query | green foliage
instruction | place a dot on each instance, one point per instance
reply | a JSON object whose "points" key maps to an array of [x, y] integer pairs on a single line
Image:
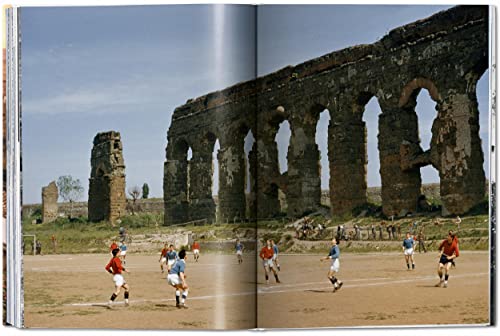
{"points": [[145, 191], [69, 189]]}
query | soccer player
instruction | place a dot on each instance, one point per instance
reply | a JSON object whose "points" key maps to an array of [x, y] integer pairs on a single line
{"points": [[123, 252], [112, 247], [455, 240], [171, 257], [163, 256], [275, 255], [448, 250], [266, 254], [239, 251], [196, 250], [408, 243], [115, 267], [177, 279], [334, 267]]}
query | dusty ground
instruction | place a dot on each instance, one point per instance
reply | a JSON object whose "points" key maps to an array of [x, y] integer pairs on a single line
{"points": [[377, 290], [69, 291]]}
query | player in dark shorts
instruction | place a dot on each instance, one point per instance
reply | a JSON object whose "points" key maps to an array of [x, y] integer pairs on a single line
{"points": [[448, 250], [239, 251]]}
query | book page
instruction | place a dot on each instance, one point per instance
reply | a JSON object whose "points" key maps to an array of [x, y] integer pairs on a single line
{"points": [[373, 194], [131, 175]]}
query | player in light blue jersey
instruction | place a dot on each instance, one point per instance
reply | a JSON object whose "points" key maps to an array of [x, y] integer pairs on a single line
{"points": [[177, 279], [239, 251], [408, 244], [275, 255], [334, 256], [171, 257]]}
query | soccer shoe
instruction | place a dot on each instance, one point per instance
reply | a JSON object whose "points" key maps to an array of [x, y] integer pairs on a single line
{"points": [[127, 304], [183, 305], [334, 289], [267, 282], [445, 285], [178, 305], [279, 268], [340, 285], [278, 281], [439, 284]]}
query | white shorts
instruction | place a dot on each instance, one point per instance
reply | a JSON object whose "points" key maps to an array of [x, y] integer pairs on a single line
{"points": [[174, 279], [118, 279], [335, 265], [196, 251], [163, 260], [239, 252], [122, 253], [268, 262], [409, 251], [170, 262]]}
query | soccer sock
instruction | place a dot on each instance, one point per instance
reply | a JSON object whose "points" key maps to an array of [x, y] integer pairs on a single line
{"points": [[413, 265], [177, 296], [408, 265], [333, 280], [267, 277], [276, 277], [113, 297], [125, 295], [184, 296], [446, 277]]}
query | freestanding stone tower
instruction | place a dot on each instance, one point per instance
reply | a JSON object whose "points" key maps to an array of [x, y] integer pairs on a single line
{"points": [[50, 194], [107, 198]]}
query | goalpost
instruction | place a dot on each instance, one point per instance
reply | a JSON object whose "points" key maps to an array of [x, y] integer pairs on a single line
{"points": [[34, 242]]}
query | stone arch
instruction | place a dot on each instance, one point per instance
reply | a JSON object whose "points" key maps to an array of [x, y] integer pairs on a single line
{"points": [[408, 91]]}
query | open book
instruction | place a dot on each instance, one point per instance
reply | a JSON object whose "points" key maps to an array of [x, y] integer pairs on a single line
{"points": [[239, 167]]}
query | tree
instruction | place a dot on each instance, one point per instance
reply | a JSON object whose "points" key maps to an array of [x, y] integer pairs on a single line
{"points": [[145, 191], [70, 190], [135, 193]]}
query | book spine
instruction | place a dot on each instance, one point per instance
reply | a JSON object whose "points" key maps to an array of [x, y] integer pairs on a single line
{"points": [[13, 148]]}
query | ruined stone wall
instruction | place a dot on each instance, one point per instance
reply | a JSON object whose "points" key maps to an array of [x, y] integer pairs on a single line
{"points": [[445, 54], [50, 209], [107, 199]]}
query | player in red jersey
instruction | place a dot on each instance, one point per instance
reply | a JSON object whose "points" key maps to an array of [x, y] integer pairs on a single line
{"points": [[266, 254], [196, 250], [448, 250], [163, 256], [113, 246], [115, 267]]}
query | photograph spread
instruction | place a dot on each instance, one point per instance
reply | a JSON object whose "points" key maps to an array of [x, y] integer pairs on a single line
{"points": [[239, 166]]}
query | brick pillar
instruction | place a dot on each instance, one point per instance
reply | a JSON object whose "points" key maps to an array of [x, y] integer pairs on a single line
{"points": [[175, 190], [201, 203], [456, 150], [232, 200], [348, 160], [400, 188], [303, 180]]}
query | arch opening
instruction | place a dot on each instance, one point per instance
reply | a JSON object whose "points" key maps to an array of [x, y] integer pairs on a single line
{"points": [[282, 140]]}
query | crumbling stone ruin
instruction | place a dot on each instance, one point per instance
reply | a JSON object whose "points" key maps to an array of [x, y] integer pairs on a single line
{"points": [[50, 209], [107, 198], [445, 54]]}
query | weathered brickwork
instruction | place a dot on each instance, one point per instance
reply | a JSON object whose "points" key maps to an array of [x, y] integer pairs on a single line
{"points": [[107, 199], [445, 54], [50, 208]]}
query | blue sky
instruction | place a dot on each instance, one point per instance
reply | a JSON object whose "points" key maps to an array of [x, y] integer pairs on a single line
{"points": [[90, 69]]}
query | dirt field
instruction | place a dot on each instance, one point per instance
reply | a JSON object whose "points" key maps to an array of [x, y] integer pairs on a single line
{"points": [[69, 291], [378, 290]]}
